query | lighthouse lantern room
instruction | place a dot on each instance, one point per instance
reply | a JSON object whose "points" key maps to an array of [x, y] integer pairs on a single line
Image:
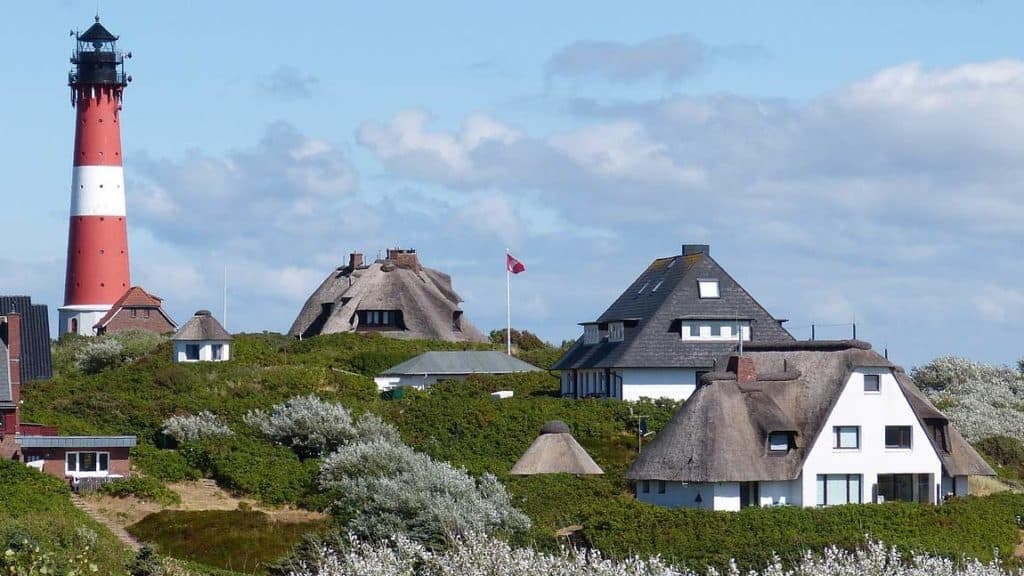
{"points": [[97, 264]]}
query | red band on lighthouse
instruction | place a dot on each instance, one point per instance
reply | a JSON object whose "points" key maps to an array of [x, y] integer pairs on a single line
{"points": [[97, 266]]}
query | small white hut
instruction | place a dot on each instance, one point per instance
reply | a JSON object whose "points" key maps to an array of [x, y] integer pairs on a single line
{"points": [[202, 339]]}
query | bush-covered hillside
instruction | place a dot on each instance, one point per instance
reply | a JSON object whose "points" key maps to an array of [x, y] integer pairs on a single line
{"points": [[36, 511]]}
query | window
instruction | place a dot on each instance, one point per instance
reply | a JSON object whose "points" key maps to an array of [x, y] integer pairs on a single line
{"points": [[725, 331], [901, 487], [590, 334], [716, 330], [192, 351], [87, 462], [656, 286], [644, 287], [846, 437], [216, 352], [835, 489], [646, 486], [872, 383], [898, 437], [778, 441], [661, 486], [134, 312], [616, 332], [145, 313], [707, 288]]}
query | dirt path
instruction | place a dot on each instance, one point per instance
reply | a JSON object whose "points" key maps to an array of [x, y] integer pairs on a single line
{"points": [[118, 530], [199, 495]]}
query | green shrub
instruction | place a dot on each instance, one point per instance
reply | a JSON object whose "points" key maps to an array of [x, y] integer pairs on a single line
{"points": [[1006, 455], [166, 465], [143, 488], [248, 466]]}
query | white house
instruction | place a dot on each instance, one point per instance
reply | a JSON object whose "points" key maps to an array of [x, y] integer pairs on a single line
{"points": [[202, 339], [666, 330], [813, 423], [426, 369]]}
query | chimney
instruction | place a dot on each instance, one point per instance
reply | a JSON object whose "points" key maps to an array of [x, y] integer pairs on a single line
{"points": [[355, 260], [404, 258], [743, 366], [13, 339], [690, 249]]}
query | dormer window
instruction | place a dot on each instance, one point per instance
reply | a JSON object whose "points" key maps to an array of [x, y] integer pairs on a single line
{"points": [[707, 288], [590, 334], [778, 442], [616, 331]]}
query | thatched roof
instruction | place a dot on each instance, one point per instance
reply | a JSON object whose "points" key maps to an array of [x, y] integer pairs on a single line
{"points": [[202, 326], [555, 451], [654, 308], [720, 433], [428, 305]]}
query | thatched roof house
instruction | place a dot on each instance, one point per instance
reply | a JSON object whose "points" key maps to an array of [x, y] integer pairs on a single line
{"points": [[202, 339], [395, 296], [792, 422], [555, 451]]}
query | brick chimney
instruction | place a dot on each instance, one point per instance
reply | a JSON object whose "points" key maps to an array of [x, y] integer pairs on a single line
{"points": [[743, 366], [690, 249], [404, 258], [355, 260]]}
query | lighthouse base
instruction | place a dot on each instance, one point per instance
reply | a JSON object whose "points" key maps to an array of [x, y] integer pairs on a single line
{"points": [[80, 319]]}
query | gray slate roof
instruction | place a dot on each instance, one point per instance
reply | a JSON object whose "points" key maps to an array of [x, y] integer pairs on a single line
{"points": [[423, 295], [555, 451], [202, 326], [76, 441], [36, 363], [720, 433], [467, 362], [654, 317]]}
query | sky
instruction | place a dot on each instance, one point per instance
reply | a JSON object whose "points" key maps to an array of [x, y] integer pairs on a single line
{"points": [[847, 162]]}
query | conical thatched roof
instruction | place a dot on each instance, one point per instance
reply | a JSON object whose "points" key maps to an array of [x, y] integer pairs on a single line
{"points": [[555, 451], [202, 326], [426, 305]]}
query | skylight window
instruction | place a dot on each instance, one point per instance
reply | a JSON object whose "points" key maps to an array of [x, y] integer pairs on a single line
{"points": [[672, 263], [656, 286], [707, 288], [644, 287]]}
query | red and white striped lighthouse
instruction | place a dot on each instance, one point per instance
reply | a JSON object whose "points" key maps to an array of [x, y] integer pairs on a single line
{"points": [[97, 272]]}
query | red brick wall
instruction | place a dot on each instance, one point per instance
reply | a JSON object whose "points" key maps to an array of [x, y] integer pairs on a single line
{"points": [[54, 459], [123, 320]]}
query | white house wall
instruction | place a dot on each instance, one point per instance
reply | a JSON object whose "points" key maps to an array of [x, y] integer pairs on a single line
{"points": [[205, 351], [678, 495], [777, 493], [872, 411], [727, 496], [674, 383]]}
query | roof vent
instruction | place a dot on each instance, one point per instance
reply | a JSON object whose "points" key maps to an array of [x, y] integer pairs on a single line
{"points": [[555, 427]]}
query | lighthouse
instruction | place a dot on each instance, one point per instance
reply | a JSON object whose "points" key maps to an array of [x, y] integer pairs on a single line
{"points": [[97, 267]]}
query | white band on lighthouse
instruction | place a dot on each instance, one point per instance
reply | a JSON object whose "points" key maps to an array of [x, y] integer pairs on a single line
{"points": [[97, 191]]}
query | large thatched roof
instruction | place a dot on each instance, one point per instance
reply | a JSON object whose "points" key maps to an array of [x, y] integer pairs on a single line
{"points": [[720, 432], [555, 451], [428, 305], [654, 307]]}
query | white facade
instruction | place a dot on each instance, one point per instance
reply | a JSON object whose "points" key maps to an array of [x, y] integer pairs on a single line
{"points": [[80, 319], [418, 381], [631, 384], [859, 473], [202, 350]]}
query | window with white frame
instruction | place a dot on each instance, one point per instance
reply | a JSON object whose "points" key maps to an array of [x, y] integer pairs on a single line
{"points": [[872, 383], [616, 331], [217, 351], [778, 442], [898, 437], [707, 288], [590, 334], [87, 463], [192, 351], [846, 437]]}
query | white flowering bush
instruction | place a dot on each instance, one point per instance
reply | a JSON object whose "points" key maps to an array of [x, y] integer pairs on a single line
{"points": [[487, 556], [312, 427], [383, 488], [192, 427], [981, 400], [99, 354]]}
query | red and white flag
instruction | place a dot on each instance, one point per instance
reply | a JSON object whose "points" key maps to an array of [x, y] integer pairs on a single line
{"points": [[514, 266]]}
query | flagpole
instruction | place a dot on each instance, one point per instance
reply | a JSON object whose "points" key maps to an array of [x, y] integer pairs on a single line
{"points": [[508, 304]]}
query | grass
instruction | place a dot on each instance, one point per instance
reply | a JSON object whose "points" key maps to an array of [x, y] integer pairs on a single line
{"points": [[236, 540]]}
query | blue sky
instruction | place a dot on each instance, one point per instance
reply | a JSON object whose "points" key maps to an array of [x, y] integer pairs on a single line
{"points": [[846, 161]]}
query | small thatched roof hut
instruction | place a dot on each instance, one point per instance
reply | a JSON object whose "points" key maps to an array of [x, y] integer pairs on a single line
{"points": [[555, 451]]}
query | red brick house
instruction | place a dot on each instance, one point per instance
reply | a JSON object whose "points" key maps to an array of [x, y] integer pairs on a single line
{"points": [[136, 309], [75, 458]]}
